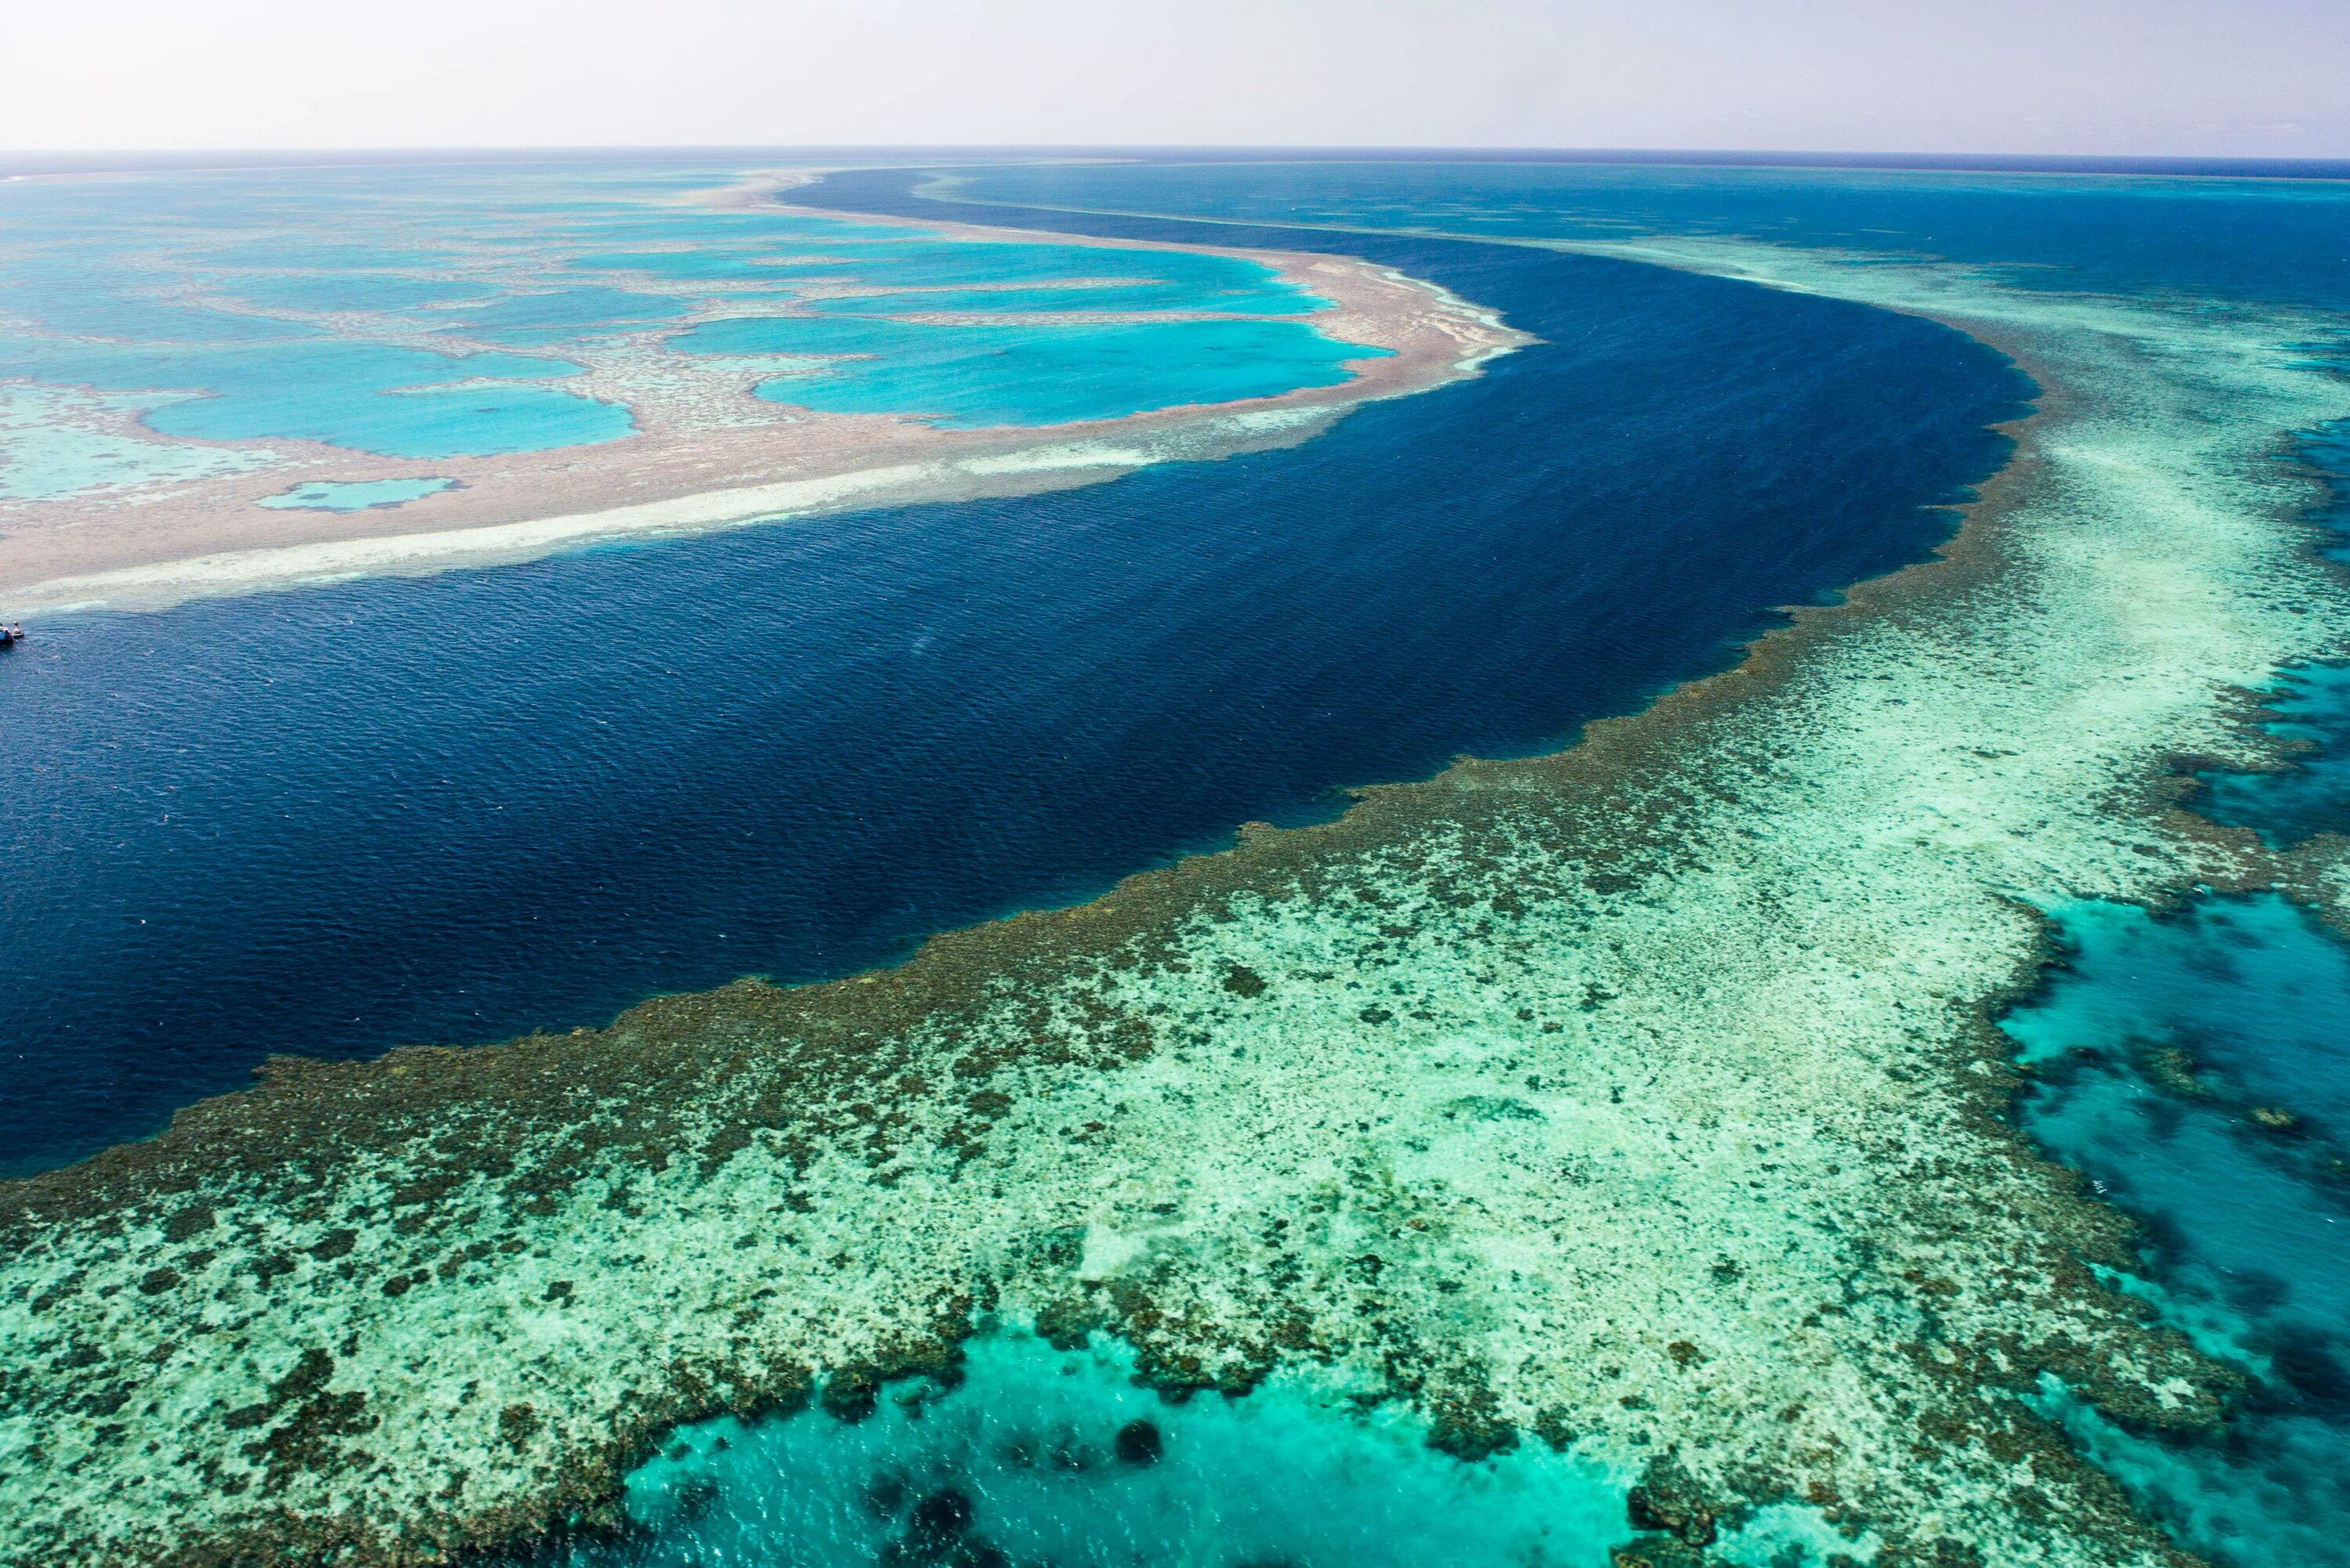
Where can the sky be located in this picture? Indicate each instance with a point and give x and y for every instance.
(2177, 78)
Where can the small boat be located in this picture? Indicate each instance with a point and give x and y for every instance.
(10, 636)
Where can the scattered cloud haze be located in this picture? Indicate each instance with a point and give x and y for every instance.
(2250, 78)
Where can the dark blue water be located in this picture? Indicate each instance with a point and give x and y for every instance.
(454, 809)
(2273, 241)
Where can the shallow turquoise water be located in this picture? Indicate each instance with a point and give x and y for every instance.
(966, 376)
(63, 293)
(592, 305)
(1123, 296)
(326, 495)
(2197, 1067)
(335, 291)
(708, 262)
(366, 396)
(338, 306)
(1026, 1454)
(1045, 1456)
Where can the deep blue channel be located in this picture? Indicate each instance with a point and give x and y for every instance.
(454, 809)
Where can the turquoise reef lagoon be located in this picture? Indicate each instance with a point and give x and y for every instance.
(374, 312)
(592, 353)
(985, 373)
(1713, 933)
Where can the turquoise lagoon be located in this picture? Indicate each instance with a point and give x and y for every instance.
(375, 397)
(372, 311)
(1028, 1453)
(1095, 298)
(559, 315)
(963, 376)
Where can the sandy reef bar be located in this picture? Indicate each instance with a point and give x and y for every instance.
(706, 454)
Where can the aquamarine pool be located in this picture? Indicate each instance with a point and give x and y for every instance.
(377, 313)
(1007, 373)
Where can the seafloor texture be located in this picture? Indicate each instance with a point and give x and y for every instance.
(1640, 1101)
(2193, 1064)
(1032, 1453)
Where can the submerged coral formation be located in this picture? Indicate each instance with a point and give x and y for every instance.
(1027, 1454)
(1640, 1101)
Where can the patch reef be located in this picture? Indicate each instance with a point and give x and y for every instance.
(1639, 1100)
(706, 452)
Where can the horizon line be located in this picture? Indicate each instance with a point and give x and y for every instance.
(18, 163)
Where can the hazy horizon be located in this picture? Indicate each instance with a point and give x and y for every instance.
(16, 164)
(2168, 79)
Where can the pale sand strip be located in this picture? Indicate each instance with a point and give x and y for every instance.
(1019, 471)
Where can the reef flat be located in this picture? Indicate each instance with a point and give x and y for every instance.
(1640, 1100)
(820, 372)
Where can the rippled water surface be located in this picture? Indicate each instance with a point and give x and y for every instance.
(337, 820)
